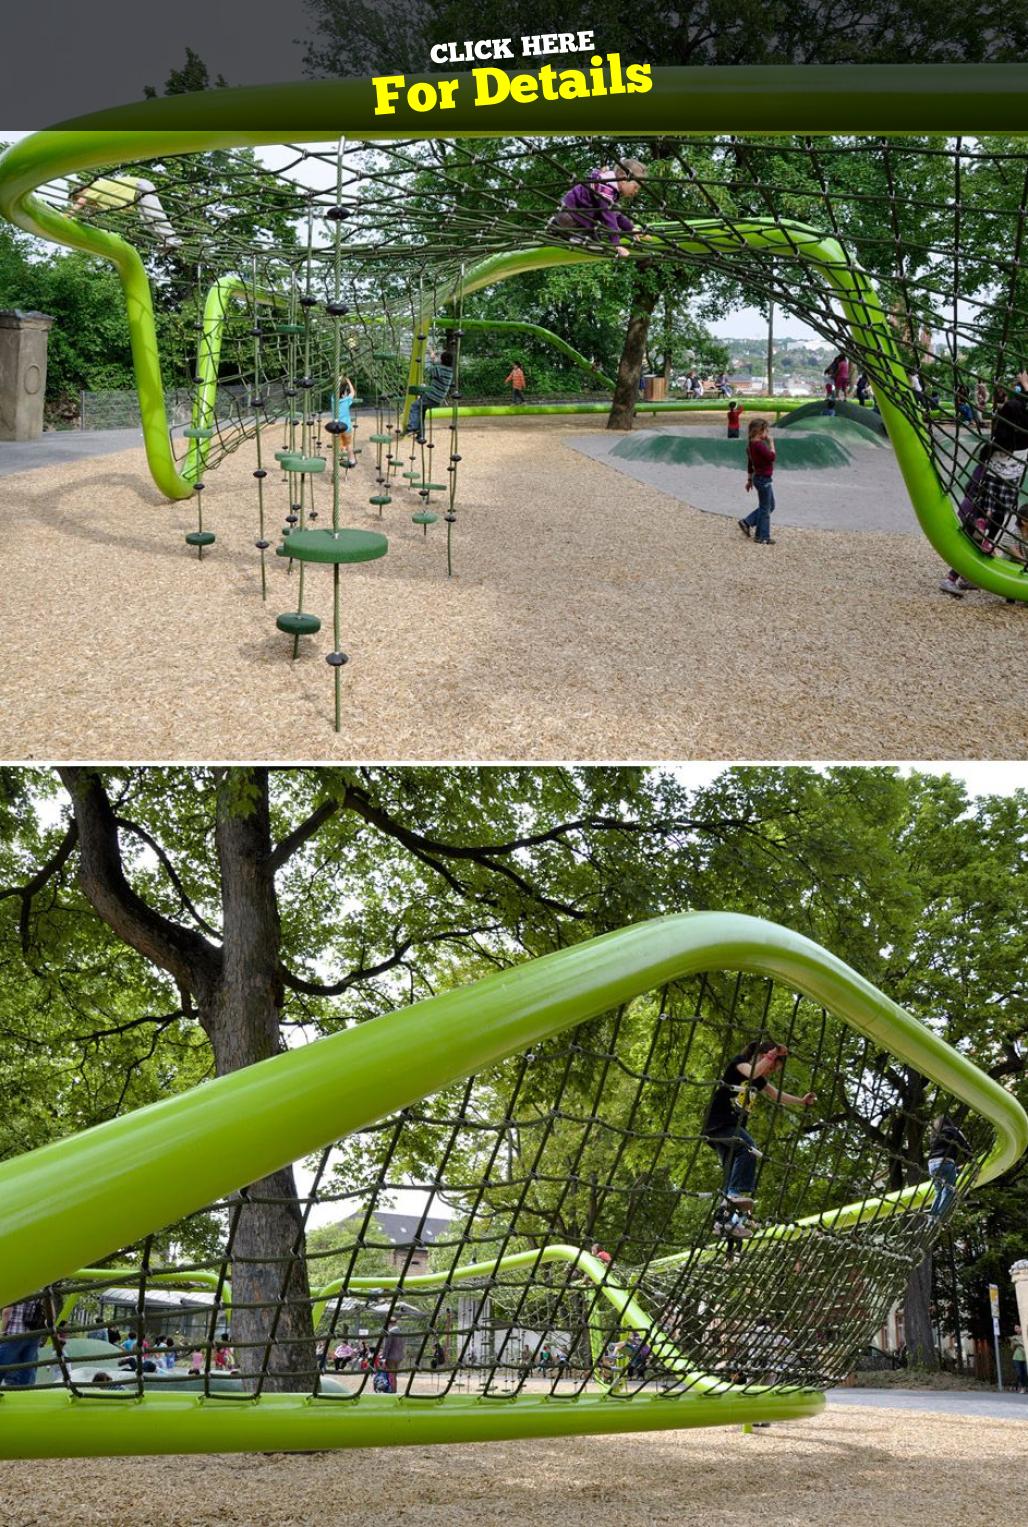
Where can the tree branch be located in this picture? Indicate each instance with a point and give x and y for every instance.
(170, 870)
(27, 892)
(185, 954)
(368, 972)
(299, 835)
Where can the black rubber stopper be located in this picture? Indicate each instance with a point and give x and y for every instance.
(336, 659)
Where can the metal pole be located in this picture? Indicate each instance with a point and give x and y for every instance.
(994, 1301)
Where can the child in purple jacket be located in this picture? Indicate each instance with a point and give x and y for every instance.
(590, 209)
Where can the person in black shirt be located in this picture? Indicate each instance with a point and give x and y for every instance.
(725, 1130)
(947, 1147)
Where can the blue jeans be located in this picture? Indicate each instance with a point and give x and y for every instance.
(19, 1349)
(736, 1152)
(944, 1177)
(760, 518)
(415, 419)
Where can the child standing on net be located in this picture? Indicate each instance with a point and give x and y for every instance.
(724, 1128)
(344, 404)
(760, 466)
(591, 209)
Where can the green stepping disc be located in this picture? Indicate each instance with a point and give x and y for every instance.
(200, 538)
(197, 434)
(424, 517)
(296, 624)
(417, 391)
(412, 477)
(337, 545)
(381, 439)
(384, 355)
(380, 498)
(282, 551)
(432, 487)
(281, 455)
(288, 328)
(297, 463)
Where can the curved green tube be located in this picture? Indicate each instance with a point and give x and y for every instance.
(68, 1203)
(680, 406)
(51, 1423)
(536, 330)
(208, 361)
(164, 1278)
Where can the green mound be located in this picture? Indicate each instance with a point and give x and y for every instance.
(847, 431)
(798, 453)
(866, 420)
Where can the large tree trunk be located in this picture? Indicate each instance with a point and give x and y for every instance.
(237, 993)
(917, 1317)
(270, 1292)
(626, 388)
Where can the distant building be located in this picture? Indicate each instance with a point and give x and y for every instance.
(406, 1231)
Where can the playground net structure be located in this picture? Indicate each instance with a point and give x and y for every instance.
(564, 1264)
(905, 252)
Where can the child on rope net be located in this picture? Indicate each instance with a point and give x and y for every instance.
(438, 381)
(947, 1147)
(589, 212)
(345, 394)
(118, 192)
(724, 1128)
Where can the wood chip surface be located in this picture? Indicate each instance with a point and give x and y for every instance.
(850, 1467)
(592, 617)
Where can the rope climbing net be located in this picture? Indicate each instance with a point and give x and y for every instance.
(937, 224)
(554, 1225)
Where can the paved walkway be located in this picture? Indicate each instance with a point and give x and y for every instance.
(869, 494)
(951, 1402)
(55, 446)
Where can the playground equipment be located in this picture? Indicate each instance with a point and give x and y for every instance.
(548, 1121)
(852, 198)
(903, 248)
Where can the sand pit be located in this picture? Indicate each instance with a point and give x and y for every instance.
(848, 1466)
(592, 617)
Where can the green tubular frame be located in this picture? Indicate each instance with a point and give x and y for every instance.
(71, 1202)
(535, 330)
(893, 100)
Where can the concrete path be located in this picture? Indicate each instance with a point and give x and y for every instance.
(59, 445)
(867, 495)
(952, 1402)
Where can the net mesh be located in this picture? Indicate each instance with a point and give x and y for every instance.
(554, 1224)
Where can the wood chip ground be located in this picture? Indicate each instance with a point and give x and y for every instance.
(592, 617)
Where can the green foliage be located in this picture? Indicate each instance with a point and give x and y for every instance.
(89, 341)
(333, 1254)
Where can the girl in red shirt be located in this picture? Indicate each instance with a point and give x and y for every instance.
(760, 466)
(734, 420)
